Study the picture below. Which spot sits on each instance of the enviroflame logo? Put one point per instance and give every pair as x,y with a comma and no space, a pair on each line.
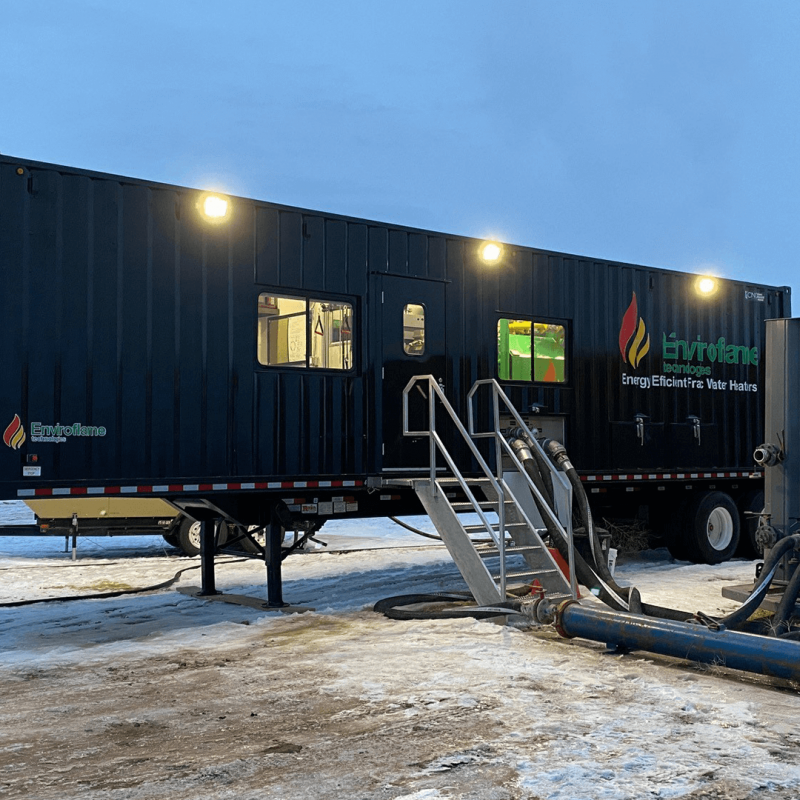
634,340
14,434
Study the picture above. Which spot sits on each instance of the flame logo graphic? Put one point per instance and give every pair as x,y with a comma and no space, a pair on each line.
634,340
14,434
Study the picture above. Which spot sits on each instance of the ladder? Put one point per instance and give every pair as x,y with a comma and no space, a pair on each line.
499,557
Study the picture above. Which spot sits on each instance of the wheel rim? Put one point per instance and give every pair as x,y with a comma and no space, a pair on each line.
194,535
719,528
257,532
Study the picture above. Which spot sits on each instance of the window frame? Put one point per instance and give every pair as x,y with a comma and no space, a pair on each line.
424,330
307,297
566,324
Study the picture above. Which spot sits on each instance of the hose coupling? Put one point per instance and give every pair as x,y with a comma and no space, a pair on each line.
521,449
558,454
768,455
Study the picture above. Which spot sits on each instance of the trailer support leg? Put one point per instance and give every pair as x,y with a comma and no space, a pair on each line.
272,558
208,543
74,537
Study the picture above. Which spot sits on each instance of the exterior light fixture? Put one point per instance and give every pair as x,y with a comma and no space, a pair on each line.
491,252
705,285
215,207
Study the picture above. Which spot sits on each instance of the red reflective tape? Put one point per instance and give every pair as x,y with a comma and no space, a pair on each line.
112,489
234,486
176,487
336,483
44,492
287,484
205,487
312,484
261,486
78,490
144,489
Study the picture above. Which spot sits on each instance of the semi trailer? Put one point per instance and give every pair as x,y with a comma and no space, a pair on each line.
239,358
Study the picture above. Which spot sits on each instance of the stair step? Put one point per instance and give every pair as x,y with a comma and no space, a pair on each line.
510,551
468,481
482,528
535,573
485,506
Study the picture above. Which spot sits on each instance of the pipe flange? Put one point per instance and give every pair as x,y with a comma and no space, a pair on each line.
557,624
766,536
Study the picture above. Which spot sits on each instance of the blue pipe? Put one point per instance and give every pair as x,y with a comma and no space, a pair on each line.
764,655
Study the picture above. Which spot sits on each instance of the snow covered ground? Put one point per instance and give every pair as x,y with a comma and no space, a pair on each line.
165,695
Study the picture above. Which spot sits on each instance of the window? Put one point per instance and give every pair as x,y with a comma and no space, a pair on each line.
414,329
303,332
531,351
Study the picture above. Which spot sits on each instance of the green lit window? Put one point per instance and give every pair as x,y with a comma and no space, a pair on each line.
304,332
528,350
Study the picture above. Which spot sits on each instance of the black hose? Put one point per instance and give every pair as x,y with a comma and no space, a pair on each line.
541,462
609,592
743,613
558,454
523,449
102,595
415,530
389,607
788,601
585,574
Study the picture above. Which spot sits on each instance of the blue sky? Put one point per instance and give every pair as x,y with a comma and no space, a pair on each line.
661,133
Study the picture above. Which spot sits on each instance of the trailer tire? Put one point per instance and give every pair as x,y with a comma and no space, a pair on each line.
171,539
188,536
712,528
752,501
243,543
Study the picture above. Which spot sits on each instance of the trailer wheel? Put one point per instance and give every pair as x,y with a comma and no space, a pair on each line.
189,537
171,539
712,528
260,535
752,501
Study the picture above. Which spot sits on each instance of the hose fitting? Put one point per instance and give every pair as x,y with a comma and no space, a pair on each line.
768,455
558,453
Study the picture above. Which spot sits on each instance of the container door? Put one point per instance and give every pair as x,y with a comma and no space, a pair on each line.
413,343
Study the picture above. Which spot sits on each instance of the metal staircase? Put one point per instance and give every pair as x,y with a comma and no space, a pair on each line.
494,557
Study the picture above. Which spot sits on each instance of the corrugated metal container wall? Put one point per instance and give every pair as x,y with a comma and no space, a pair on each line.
132,314
590,297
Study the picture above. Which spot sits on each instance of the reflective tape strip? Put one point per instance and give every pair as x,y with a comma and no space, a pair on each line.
63,491
667,476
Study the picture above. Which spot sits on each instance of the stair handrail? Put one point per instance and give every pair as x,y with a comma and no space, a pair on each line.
502,445
436,443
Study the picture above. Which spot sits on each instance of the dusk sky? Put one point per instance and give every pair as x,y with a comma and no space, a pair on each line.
660,133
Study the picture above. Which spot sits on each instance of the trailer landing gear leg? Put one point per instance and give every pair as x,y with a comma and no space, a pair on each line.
208,543
74,537
272,559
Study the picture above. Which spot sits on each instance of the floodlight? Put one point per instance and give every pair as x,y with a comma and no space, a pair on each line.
491,252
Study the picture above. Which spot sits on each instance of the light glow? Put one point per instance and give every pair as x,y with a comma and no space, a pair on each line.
215,207
491,252
706,285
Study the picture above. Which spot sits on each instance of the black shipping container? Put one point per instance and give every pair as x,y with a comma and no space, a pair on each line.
151,350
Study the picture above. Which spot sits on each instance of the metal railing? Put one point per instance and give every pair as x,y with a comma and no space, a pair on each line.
503,447
436,445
